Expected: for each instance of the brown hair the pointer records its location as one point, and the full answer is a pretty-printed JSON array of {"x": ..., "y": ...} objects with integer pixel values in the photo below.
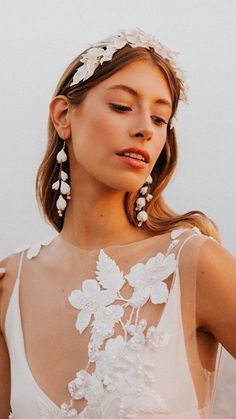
[{"x": 161, "y": 218}]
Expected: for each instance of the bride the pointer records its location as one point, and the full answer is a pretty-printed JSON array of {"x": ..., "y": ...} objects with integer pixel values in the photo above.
[{"x": 124, "y": 312}]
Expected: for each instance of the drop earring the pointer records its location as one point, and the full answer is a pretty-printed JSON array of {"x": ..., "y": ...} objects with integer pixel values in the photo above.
[
  {"x": 61, "y": 183},
  {"x": 141, "y": 201}
]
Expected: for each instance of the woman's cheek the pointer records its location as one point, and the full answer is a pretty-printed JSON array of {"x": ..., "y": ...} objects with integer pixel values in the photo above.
[
  {"x": 106, "y": 125},
  {"x": 160, "y": 143}
]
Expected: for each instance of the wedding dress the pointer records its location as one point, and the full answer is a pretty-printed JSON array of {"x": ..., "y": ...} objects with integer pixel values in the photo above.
[{"x": 109, "y": 333}]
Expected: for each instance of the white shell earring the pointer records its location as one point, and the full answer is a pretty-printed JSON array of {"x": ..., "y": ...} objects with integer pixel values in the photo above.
[
  {"x": 141, "y": 201},
  {"x": 61, "y": 184}
]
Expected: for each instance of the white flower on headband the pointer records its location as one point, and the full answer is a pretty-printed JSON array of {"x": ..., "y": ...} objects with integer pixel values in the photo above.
[
  {"x": 104, "y": 50},
  {"x": 91, "y": 61}
]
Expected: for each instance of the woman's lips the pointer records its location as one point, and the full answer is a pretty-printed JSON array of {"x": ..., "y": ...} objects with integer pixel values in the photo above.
[
  {"x": 138, "y": 151},
  {"x": 132, "y": 162}
]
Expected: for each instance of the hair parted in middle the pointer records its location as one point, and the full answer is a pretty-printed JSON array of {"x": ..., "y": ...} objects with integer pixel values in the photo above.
[{"x": 161, "y": 218}]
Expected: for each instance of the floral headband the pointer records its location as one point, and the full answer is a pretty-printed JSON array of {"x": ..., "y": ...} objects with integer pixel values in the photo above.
[{"x": 103, "y": 51}]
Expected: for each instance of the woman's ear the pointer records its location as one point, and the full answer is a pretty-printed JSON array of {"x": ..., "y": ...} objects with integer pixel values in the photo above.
[{"x": 59, "y": 113}]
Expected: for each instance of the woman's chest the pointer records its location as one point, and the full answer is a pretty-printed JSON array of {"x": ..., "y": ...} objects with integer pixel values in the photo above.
[{"x": 64, "y": 335}]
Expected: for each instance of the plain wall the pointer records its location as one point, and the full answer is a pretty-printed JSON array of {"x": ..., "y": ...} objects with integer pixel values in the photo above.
[{"x": 39, "y": 39}]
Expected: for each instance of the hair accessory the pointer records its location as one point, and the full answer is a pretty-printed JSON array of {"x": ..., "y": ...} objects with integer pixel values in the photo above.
[
  {"x": 173, "y": 122},
  {"x": 61, "y": 183},
  {"x": 104, "y": 50},
  {"x": 141, "y": 201}
]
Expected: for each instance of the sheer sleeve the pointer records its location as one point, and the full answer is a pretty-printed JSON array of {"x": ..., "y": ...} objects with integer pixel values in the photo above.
[{"x": 203, "y": 350}]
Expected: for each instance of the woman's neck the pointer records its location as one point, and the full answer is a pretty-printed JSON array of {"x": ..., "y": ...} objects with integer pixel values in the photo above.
[{"x": 99, "y": 221}]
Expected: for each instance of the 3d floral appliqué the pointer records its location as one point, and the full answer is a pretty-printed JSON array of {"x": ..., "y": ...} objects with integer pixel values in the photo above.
[
  {"x": 123, "y": 366},
  {"x": 89, "y": 300},
  {"x": 147, "y": 279}
]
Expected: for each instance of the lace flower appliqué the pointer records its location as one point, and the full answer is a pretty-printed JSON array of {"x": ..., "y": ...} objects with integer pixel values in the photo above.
[
  {"x": 89, "y": 300},
  {"x": 122, "y": 384},
  {"x": 148, "y": 280}
]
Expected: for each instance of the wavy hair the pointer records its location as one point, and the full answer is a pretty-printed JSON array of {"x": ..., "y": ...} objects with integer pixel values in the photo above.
[{"x": 161, "y": 218}]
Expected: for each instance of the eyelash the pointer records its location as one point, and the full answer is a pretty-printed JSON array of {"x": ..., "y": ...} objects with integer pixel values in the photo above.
[{"x": 121, "y": 108}]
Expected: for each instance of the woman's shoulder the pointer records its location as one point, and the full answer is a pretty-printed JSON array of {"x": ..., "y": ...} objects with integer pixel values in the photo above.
[
  {"x": 190, "y": 236},
  {"x": 11, "y": 263},
  {"x": 187, "y": 243},
  {"x": 33, "y": 249},
  {"x": 182, "y": 238}
]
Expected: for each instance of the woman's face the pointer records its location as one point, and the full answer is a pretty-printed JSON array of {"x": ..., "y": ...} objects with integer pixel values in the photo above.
[{"x": 113, "y": 122}]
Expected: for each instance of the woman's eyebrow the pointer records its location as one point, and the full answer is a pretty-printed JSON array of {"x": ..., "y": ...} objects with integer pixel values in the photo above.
[{"x": 160, "y": 101}]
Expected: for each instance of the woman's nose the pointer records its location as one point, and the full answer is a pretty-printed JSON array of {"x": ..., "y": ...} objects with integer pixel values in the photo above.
[
  {"x": 144, "y": 133},
  {"x": 144, "y": 129}
]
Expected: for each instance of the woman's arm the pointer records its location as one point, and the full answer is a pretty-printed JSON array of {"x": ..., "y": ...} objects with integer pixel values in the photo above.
[
  {"x": 4, "y": 360},
  {"x": 4, "y": 380},
  {"x": 216, "y": 294}
]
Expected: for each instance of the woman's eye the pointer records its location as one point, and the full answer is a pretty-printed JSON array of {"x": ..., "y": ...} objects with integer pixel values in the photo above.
[
  {"x": 122, "y": 108},
  {"x": 159, "y": 121},
  {"x": 119, "y": 108}
]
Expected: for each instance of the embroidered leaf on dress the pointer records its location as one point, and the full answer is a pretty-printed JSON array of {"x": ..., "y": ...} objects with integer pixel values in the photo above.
[
  {"x": 34, "y": 249},
  {"x": 108, "y": 273}
]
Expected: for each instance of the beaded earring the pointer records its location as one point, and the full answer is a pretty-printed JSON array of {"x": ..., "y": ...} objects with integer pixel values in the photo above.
[
  {"x": 141, "y": 201},
  {"x": 61, "y": 183}
]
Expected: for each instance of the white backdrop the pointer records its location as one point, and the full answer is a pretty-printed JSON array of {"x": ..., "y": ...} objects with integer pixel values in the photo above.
[{"x": 38, "y": 40}]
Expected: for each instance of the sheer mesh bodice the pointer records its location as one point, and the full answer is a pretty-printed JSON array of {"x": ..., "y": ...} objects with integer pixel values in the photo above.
[{"x": 110, "y": 333}]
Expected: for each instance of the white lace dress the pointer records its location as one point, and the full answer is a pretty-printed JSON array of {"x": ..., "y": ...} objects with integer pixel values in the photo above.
[{"x": 133, "y": 333}]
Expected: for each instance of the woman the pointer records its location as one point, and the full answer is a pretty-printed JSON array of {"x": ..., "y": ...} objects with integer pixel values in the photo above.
[{"x": 123, "y": 313}]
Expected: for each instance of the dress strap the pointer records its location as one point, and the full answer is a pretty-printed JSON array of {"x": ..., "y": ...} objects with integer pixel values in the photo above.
[
  {"x": 20, "y": 265},
  {"x": 196, "y": 233}
]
